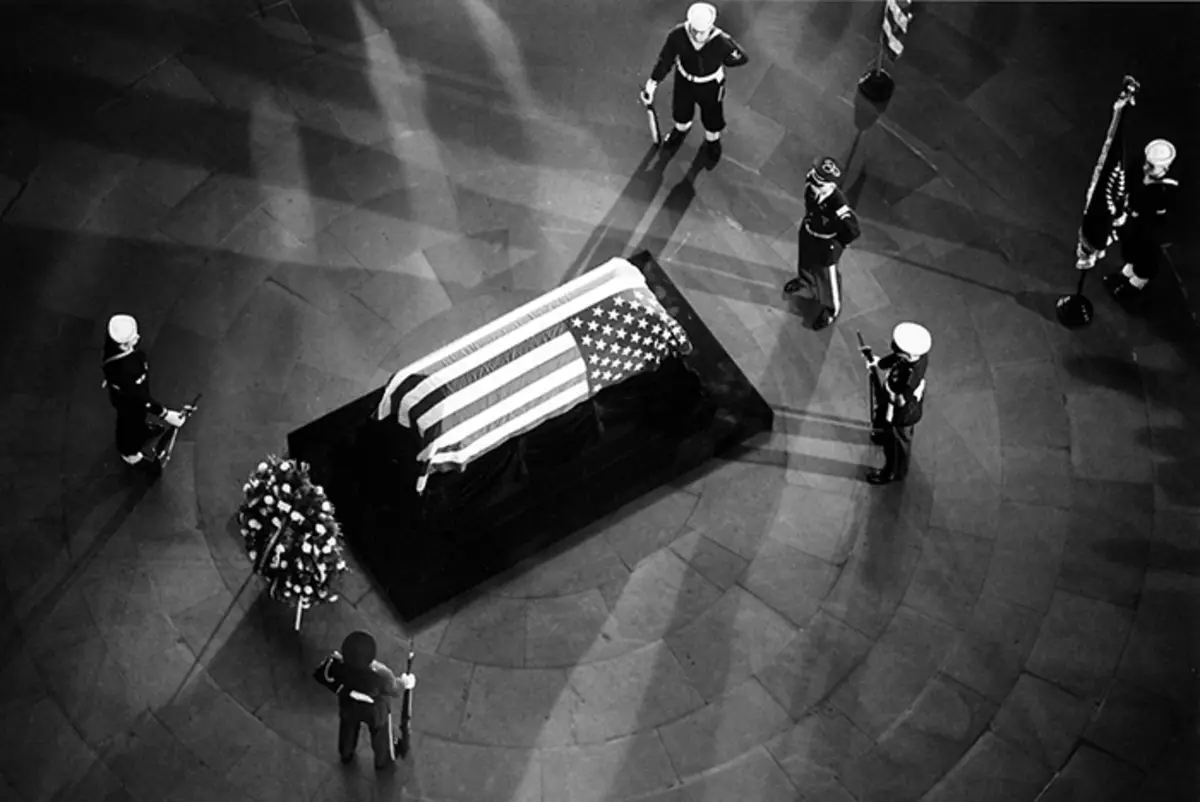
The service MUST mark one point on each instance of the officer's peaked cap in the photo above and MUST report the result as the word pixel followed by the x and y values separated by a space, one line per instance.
pixel 1160 153
pixel 702 16
pixel 122 329
pixel 359 649
pixel 828 169
pixel 912 338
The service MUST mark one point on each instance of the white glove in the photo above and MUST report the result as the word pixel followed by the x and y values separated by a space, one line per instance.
pixel 648 91
pixel 1120 221
pixel 408 681
pixel 174 418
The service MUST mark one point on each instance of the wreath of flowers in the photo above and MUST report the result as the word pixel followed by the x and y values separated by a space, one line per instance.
pixel 291 536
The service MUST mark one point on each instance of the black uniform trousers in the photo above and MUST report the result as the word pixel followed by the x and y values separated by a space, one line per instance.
pixel 1140 248
pixel 897 439
pixel 378 720
pixel 135 431
pixel 817 270
pixel 709 96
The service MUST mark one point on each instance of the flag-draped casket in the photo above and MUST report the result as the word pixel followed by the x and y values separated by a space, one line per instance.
pixel 511 375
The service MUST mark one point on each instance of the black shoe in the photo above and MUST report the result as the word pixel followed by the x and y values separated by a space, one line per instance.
pixel 1125 293
pixel 674 139
pixel 878 438
pixel 879 478
pixel 792 287
pixel 824 319
pixel 712 149
pixel 347 759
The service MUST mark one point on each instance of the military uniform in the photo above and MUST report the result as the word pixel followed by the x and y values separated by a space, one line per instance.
pixel 127 379
pixel 829 225
pixel 698 53
pixel 363 686
pixel 1148 212
pixel 899 400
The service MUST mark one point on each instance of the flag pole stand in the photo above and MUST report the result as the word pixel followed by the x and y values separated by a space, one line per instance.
pixel 876 84
pixel 1075 311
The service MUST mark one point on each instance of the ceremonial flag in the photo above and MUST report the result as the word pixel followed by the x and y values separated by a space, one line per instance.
pixel 1105 201
pixel 536 362
pixel 896 16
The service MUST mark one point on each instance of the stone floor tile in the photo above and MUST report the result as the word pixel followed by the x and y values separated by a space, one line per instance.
pixel 617 769
pixel 630 693
pixel 511 774
pixel 1134 725
pixel 1092 775
pixel 41 752
pixel 559 632
pixel 1030 404
pixel 714 562
pixel 903 661
pixel 817 523
pixel 642 528
pixel 734 638
pixel 949 576
pixel 1025 557
pixel 518 708
pixel 1104 559
pixel 752 776
pixel 1042 719
pixel 1159 656
pixel 148 759
pixel 1171 547
pixel 445 686
pixel 815 752
pixel 489 632
pixel 737 505
pixel 1123 453
pixel 212 726
pixel 789 581
pixel 989 654
pixel 584 564
pixel 1080 643
pixel 1037 476
pixel 992 771
pixel 820 656
pixel 876 577
pixel 295 771
pixel 944 721
pixel 662 595
pixel 725 728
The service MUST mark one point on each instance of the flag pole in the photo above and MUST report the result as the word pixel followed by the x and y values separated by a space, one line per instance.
pixel 1075 310
pixel 876 84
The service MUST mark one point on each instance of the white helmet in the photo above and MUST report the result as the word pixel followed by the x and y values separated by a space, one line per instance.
pixel 123 329
pixel 1160 153
pixel 701 17
pixel 912 338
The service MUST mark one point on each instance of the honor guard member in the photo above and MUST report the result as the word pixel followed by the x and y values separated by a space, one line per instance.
pixel 829 225
pixel 1142 229
pixel 127 379
pixel 898 399
pixel 363 686
pixel 698 52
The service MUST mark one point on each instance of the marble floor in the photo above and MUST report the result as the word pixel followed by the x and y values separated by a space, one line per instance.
pixel 296 198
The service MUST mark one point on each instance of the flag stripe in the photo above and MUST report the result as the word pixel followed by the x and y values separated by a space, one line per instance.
pixel 617 271
pixel 497 415
pixel 434 400
pixel 519 328
pixel 473 402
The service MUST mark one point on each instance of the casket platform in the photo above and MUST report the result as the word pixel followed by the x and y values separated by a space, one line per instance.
pixel 441 482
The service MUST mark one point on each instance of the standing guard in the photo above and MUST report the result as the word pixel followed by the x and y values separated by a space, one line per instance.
pixel 127 378
pixel 829 225
pixel 1143 226
pixel 699 52
pixel 898 398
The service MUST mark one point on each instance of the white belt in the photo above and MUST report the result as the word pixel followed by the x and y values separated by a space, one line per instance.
pixel 361 697
pixel 719 75
pixel 808 228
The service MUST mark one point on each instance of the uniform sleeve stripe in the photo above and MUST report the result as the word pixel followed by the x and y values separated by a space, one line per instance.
pixel 844 212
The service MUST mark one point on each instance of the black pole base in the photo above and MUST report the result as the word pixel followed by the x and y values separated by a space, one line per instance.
pixel 1074 311
pixel 876 85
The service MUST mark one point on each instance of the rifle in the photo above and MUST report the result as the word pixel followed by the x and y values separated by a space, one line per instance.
pixel 406 714
pixel 873 381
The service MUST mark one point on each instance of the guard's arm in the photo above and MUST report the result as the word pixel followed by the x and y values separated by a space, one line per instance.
pixel 737 56
pixel 666 58
pixel 390 683
pixel 848 228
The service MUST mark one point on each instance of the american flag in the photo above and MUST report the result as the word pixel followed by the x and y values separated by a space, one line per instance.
pixel 896 16
pixel 536 362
